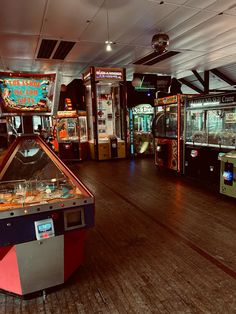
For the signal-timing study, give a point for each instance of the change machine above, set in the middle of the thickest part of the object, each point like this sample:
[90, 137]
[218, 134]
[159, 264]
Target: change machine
[105, 97]
[228, 173]
[45, 212]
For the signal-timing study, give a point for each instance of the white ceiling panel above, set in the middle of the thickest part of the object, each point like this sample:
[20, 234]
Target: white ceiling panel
[190, 24]
[21, 16]
[201, 4]
[18, 46]
[205, 38]
[86, 52]
[68, 19]
[206, 32]
[47, 65]
[19, 65]
[223, 6]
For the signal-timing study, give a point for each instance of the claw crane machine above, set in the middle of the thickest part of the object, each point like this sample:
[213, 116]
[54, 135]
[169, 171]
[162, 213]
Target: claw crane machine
[70, 139]
[45, 210]
[210, 134]
[167, 128]
[105, 97]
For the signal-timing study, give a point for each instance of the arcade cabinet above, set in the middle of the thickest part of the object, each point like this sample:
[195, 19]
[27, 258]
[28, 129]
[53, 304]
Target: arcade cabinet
[228, 173]
[105, 99]
[210, 132]
[167, 127]
[45, 212]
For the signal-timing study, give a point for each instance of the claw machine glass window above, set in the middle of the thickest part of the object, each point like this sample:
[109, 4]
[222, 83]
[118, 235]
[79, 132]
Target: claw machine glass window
[140, 123]
[106, 108]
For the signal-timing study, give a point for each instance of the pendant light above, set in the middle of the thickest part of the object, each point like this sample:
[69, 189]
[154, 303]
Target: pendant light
[108, 42]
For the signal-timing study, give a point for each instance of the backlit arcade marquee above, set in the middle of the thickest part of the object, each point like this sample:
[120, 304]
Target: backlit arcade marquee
[28, 92]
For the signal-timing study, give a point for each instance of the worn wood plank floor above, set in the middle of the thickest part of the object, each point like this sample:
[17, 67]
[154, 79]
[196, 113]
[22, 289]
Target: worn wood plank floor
[161, 244]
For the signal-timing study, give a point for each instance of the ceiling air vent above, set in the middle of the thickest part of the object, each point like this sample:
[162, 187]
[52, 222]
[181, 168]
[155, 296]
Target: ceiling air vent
[46, 48]
[155, 57]
[63, 49]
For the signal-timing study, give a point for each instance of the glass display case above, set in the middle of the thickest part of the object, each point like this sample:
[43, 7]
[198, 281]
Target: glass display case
[83, 131]
[41, 202]
[106, 108]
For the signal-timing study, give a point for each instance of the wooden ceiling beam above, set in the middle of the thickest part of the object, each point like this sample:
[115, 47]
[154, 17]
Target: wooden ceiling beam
[198, 76]
[189, 84]
[223, 77]
[222, 91]
[206, 82]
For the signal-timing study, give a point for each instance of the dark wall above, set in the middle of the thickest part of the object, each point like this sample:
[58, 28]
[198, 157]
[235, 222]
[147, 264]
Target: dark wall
[136, 97]
[74, 91]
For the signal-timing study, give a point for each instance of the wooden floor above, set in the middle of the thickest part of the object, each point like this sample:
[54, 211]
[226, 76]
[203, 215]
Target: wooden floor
[161, 244]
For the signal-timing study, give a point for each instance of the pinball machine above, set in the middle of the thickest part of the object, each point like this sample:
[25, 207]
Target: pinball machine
[45, 210]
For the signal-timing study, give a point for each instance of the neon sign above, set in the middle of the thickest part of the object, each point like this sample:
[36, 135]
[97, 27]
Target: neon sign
[26, 92]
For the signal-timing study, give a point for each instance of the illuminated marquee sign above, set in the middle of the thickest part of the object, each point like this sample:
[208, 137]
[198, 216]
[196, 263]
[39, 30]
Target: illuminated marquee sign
[228, 98]
[71, 113]
[143, 109]
[212, 100]
[26, 92]
[109, 74]
[166, 100]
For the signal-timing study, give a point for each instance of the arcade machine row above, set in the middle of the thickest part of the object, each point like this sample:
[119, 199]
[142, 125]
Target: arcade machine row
[105, 97]
[167, 130]
[210, 133]
[45, 212]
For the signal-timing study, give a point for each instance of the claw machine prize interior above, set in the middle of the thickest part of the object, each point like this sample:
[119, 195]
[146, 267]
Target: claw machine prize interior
[140, 126]
[67, 142]
[45, 212]
[210, 133]
[105, 97]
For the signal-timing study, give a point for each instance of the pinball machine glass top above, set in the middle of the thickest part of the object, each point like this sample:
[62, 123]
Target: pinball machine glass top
[33, 175]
